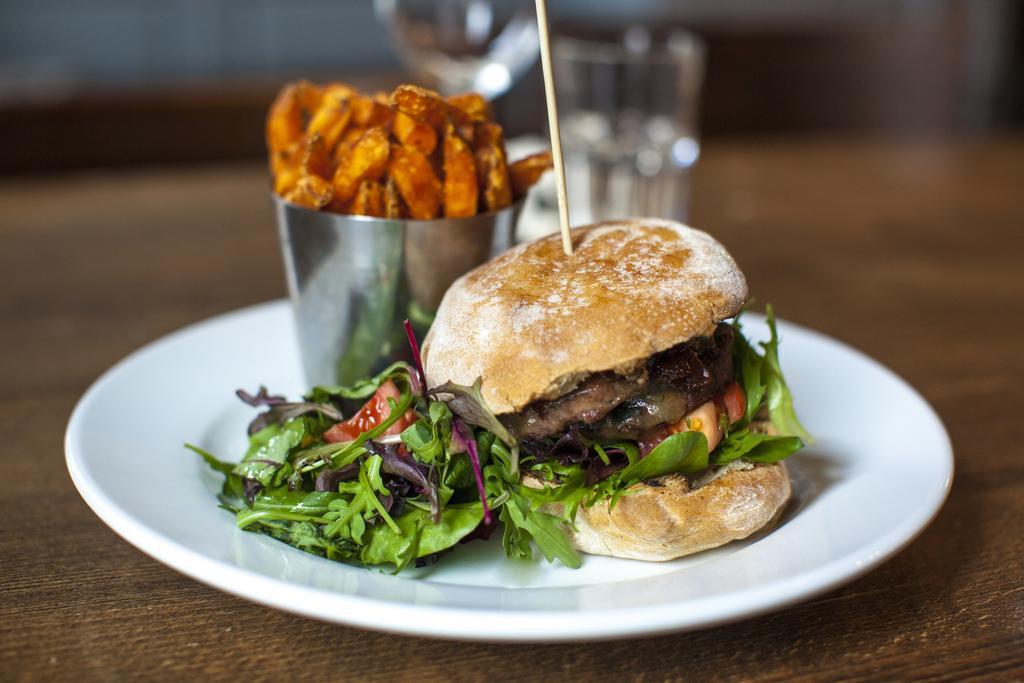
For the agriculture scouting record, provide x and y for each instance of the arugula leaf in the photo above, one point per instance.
(418, 536)
(750, 366)
(362, 388)
(458, 474)
(469, 404)
(546, 530)
(212, 460)
(374, 501)
(763, 382)
(685, 453)
(232, 493)
(306, 536)
(502, 458)
(777, 396)
(774, 449)
(427, 438)
(514, 539)
(345, 518)
(273, 443)
(248, 517)
(266, 461)
(313, 503)
(755, 447)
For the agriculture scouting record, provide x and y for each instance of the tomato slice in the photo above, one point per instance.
(370, 415)
(733, 401)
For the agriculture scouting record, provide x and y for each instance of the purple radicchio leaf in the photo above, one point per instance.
(262, 398)
(409, 470)
(462, 433)
(572, 448)
(419, 381)
(251, 487)
(468, 403)
(598, 471)
(328, 480)
(280, 410)
(395, 503)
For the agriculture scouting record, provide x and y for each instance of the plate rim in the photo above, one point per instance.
(439, 621)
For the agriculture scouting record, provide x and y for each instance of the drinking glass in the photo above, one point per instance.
(459, 45)
(628, 118)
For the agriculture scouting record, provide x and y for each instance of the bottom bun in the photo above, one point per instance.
(669, 517)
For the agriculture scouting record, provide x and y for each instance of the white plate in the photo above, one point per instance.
(879, 472)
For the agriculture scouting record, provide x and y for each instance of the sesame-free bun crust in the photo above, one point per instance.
(533, 322)
(666, 518)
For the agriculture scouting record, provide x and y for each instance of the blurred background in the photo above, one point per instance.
(125, 83)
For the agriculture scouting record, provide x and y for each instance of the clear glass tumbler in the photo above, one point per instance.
(459, 45)
(628, 114)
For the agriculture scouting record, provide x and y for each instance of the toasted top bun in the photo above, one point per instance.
(532, 323)
(670, 517)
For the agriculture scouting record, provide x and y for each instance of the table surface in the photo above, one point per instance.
(910, 251)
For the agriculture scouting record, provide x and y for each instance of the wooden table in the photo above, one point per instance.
(909, 251)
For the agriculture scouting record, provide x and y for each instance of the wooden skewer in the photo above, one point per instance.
(556, 138)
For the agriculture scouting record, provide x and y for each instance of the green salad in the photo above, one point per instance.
(390, 472)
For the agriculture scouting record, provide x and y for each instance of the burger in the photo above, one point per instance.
(638, 413)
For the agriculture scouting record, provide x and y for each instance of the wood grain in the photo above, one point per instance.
(911, 252)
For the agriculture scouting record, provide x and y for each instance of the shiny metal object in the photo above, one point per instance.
(353, 280)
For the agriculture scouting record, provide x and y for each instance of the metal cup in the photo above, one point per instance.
(353, 280)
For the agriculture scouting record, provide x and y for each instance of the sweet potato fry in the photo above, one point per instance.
(426, 106)
(461, 190)
(416, 181)
(311, 192)
(473, 105)
(491, 166)
(365, 160)
(369, 199)
(316, 160)
(413, 133)
(527, 171)
(331, 120)
(286, 121)
(285, 158)
(286, 167)
(493, 175)
(339, 91)
(348, 138)
(393, 207)
(286, 179)
(489, 134)
(371, 111)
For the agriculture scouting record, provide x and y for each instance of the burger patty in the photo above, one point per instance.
(610, 406)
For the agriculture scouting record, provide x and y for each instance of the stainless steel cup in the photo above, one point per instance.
(353, 280)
